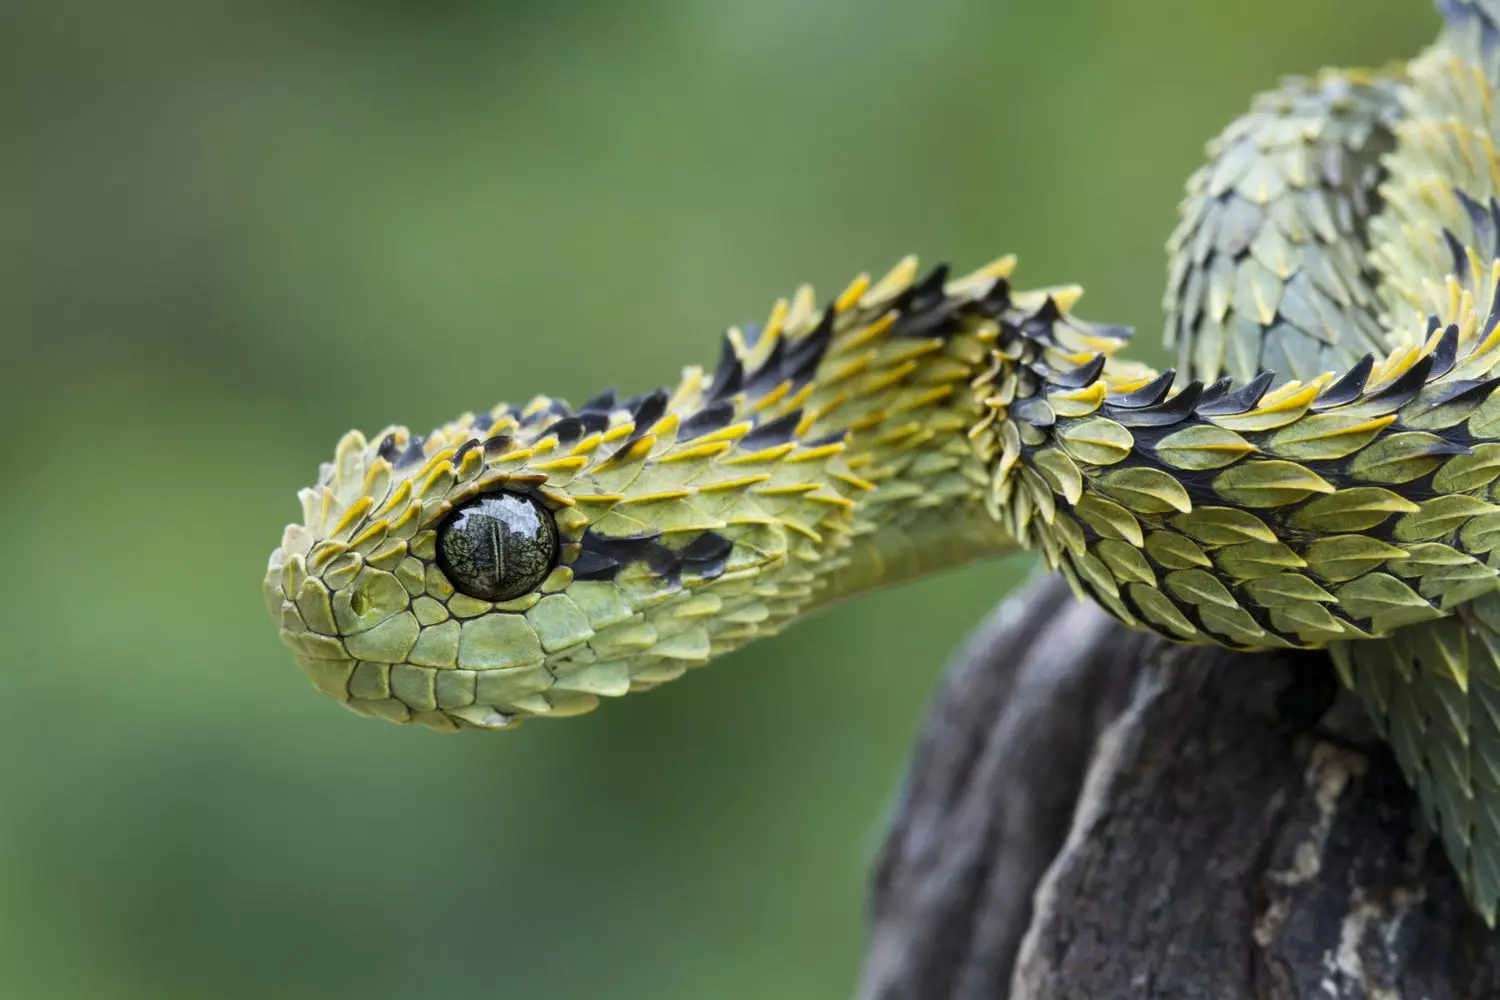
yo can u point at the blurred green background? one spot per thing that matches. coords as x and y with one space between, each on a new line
235 229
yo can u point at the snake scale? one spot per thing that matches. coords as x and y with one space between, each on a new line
1321 469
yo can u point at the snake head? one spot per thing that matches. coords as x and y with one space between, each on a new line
526 562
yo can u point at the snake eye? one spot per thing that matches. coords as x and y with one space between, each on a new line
500 546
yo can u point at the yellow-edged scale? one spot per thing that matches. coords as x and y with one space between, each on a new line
1319 472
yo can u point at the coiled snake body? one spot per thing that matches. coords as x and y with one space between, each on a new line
1322 469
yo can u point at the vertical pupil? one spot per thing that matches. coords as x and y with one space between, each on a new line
498 531
499 547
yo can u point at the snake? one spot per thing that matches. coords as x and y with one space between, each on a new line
1319 470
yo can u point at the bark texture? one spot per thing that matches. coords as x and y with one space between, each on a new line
1092 813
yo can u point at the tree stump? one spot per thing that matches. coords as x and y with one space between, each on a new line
1091 812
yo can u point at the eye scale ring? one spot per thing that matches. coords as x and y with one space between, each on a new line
498 547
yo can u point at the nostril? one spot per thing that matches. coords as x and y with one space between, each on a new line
358 603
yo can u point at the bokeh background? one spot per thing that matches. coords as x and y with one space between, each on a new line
234 229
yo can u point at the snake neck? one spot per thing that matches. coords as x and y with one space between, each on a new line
900 384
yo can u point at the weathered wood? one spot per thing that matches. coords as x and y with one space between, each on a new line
1092 813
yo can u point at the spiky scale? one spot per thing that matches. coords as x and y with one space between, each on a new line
1201 447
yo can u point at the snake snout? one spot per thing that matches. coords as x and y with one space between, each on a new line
379 641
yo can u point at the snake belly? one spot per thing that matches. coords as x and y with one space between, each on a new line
1319 472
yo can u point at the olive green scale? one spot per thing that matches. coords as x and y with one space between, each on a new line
1322 470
